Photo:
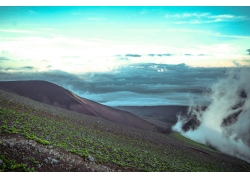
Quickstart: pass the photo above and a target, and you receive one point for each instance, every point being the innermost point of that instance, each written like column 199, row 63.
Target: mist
column 225, row 123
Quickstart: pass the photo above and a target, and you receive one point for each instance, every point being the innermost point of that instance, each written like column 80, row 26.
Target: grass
column 188, row 142
column 12, row 166
column 107, row 142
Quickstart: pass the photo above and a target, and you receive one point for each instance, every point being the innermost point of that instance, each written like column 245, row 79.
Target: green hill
column 39, row 137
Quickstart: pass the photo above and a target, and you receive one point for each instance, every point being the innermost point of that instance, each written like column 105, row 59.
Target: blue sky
column 96, row 39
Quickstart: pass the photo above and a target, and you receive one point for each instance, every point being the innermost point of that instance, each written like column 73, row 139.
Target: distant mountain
column 52, row 94
column 162, row 116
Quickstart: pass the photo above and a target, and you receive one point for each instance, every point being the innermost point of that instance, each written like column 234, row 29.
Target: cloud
column 187, row 15
column 23, row 69
column 28, row 67
column 124, row 58
column 16, row 31
column 224, row 124
column 4, row 59
column 70, row 57
column 152, row 55
column 133, row 55
column 199, row 18
column 141, row 84
column 227, row 17
column 167, row 54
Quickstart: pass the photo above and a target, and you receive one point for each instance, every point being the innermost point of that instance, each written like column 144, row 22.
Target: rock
column 54, row 161
column 11, row 144
column 50, row 147
column 22, row 142
column 91, row 159
column 1, row 161
column 51, row 151
column 33, row 143
column 46, row 161
column 41, row 149
column 13, row 139
column 104, row 167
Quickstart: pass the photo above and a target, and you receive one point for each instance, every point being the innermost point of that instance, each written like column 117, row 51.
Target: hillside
column 52, row 94
column 39, row 137
column 161, row 116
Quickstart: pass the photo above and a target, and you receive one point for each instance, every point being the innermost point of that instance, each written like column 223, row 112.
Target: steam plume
column 225, row 123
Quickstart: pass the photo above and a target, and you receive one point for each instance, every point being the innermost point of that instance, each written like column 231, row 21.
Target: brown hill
column 52, row 94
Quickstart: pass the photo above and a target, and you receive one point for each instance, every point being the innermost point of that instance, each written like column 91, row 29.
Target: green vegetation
column 33, row 160
column 107, row 142
column 188, row 142
column 11, row 165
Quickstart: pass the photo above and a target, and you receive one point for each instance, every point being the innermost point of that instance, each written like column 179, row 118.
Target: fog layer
column 225, row 123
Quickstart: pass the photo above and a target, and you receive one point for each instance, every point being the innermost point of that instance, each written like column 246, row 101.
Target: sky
column 112, row 54
column 98, row 38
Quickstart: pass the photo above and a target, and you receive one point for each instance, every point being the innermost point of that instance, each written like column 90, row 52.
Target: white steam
column 225, row 123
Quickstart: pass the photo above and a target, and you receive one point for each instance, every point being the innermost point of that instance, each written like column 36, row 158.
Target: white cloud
column 186, row 15
column 227, row 17
column 16, row 31
column 199, row 18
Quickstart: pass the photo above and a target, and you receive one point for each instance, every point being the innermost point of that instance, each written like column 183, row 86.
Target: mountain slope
column 38, row 137
column 52, row 94
column 162, row 116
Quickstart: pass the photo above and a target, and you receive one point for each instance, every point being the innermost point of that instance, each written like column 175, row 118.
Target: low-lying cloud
column 224, row 124
column 132, row 85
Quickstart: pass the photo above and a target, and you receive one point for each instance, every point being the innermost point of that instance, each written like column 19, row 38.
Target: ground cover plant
column 99, row 141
